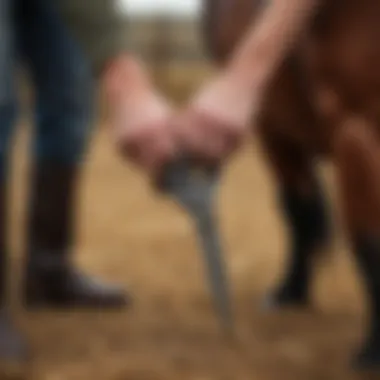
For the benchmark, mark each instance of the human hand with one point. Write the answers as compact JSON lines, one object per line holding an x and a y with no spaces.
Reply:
{"x":141,"y":118}
{"x":218,"y":117}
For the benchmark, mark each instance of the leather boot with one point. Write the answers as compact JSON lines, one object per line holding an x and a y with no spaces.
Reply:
{"x":51,"y":279}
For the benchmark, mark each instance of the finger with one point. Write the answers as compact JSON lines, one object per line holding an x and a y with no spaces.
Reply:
{"x":210,"y":139}
{"x":193,"y":134}
{"x":156,"y":150}
{"x":223,"y":136}
{"x":130,"y":150}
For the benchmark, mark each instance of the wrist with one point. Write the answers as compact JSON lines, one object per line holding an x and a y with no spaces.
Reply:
{"x":125,"y":76}
{"x":247,"y":74}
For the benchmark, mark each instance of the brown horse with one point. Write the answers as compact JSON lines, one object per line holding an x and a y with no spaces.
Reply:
{"x":324,"y":102}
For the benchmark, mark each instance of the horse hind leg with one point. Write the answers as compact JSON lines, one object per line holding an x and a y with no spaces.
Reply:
{"x":302,"y":204}
{"x":357,"y":155}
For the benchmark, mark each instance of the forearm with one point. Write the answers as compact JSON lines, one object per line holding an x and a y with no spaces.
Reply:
{"x":124,"y":76}
{"x":270,"y":39}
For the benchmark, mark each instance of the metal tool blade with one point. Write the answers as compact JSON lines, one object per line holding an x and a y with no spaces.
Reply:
{"x":195,"y":190}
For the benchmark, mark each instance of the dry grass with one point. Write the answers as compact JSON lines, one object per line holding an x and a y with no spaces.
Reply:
{"x":132,"y":236}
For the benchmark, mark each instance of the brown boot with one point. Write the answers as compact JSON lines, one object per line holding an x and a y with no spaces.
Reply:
{"x":50,"y":278}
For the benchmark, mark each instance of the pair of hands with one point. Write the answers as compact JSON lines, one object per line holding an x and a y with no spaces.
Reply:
{"x":151,"y":133}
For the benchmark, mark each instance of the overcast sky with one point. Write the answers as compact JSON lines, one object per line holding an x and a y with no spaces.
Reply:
{"x":185,"y":7}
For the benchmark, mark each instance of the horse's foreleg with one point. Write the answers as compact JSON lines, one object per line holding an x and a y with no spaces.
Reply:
{"x":357,"y":155}
{"x":302,"y":204}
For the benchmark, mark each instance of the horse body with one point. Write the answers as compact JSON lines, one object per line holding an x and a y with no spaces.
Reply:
{"x":336,"y":65}
{"x":323,"y":102}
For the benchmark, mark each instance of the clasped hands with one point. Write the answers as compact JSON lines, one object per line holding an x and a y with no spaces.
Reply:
{"x":150,"y":132}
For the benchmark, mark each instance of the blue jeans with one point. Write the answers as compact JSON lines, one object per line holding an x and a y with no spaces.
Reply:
{"x":31,"y":32}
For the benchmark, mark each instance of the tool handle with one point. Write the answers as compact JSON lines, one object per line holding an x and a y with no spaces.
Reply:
{"x":183,"y":171}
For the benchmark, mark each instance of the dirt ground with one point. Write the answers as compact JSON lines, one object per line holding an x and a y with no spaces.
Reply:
{"x":129,"y":235}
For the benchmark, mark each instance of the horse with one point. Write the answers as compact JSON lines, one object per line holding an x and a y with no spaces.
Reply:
{"x":323,"y":103}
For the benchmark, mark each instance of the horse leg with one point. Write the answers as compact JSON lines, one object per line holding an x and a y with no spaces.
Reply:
{"x":357,"y":155}
{"x":302,"y":204}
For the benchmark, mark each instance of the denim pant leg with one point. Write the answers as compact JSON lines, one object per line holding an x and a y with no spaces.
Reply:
{"x":63,"y":82}
{"x":8,"y":97}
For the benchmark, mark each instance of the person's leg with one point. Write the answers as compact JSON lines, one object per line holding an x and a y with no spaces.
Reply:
{"x":12,"y":343}
{"x":64,"y":99}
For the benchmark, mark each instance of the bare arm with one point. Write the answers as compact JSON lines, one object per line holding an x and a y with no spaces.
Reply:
{"x":270,"y":39}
